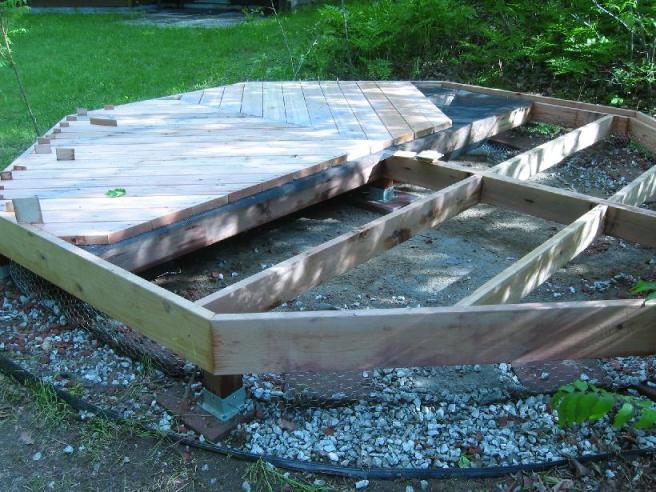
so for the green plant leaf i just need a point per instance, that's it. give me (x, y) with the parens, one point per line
(602, 406)
(116, 192)
(584, 407)
(643, 286)
(647, 419)
(580, 385)
(567, 409)
(623, 415)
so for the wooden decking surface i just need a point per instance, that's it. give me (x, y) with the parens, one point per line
(185, 154)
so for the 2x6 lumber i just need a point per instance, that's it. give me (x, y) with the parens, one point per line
(286, 280)
(357, 340)
(544, 156)
(623, 221)
(176, 323)
(521, 278)
(643, 133)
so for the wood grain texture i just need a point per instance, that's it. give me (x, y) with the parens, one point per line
(292, 277)
(163, 316)
(231, 141)
(364, 339)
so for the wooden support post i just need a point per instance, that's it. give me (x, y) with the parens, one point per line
(65, 154)
(27, 210)
(71, 118)
(43, 141)
(6, 176)
(64, 124)
(108, 107)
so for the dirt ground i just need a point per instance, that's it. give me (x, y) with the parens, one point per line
(437, 267)
(35, 432)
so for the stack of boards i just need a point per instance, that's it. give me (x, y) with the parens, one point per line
(106, 175)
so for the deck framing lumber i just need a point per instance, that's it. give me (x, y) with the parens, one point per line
(485, 327)
(364, 339)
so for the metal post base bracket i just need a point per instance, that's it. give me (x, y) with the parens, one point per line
(380, 194)
(223, 409)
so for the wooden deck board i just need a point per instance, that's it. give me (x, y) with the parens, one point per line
(178, 155)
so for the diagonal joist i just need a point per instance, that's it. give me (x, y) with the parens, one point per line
(363, 339)
(521, 278)
(290, 278)
(542, 157)
(623, 221)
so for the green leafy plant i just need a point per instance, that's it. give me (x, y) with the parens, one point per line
(580, 402)
(545, 129)
(10, 12)
(644, 287)
(116, 192)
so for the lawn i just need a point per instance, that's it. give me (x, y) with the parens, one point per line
(77, 60)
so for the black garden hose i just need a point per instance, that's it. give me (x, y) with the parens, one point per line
(24, 377)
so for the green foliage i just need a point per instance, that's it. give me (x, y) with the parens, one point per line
(545, 129)
(582, 402)
(116, 193)
(644, 287)
(600, 46)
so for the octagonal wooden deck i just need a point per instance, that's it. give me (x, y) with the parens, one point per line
(178, 156)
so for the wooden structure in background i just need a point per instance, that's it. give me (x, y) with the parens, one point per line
(230, 332)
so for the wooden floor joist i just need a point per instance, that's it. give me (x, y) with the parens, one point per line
(292, 277)
(524, 276)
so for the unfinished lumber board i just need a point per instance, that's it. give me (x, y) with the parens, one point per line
(296, 111)
(138, 253)
(290, 278)
(643, 133)
(27, 210)
(416, 337)
(318, 108)
(162, 316)
(521, 278)
(394, 122)
(544, 156)
(525, 275)
(532, 97)
(624, 221)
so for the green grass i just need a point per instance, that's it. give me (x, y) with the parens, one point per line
(77, 60)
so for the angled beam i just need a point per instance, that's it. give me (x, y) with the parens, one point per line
(356, 340)
(290, 278)
(524, 276)
(176, 323)
(532, 97)
(623, 221)
(547, 155)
